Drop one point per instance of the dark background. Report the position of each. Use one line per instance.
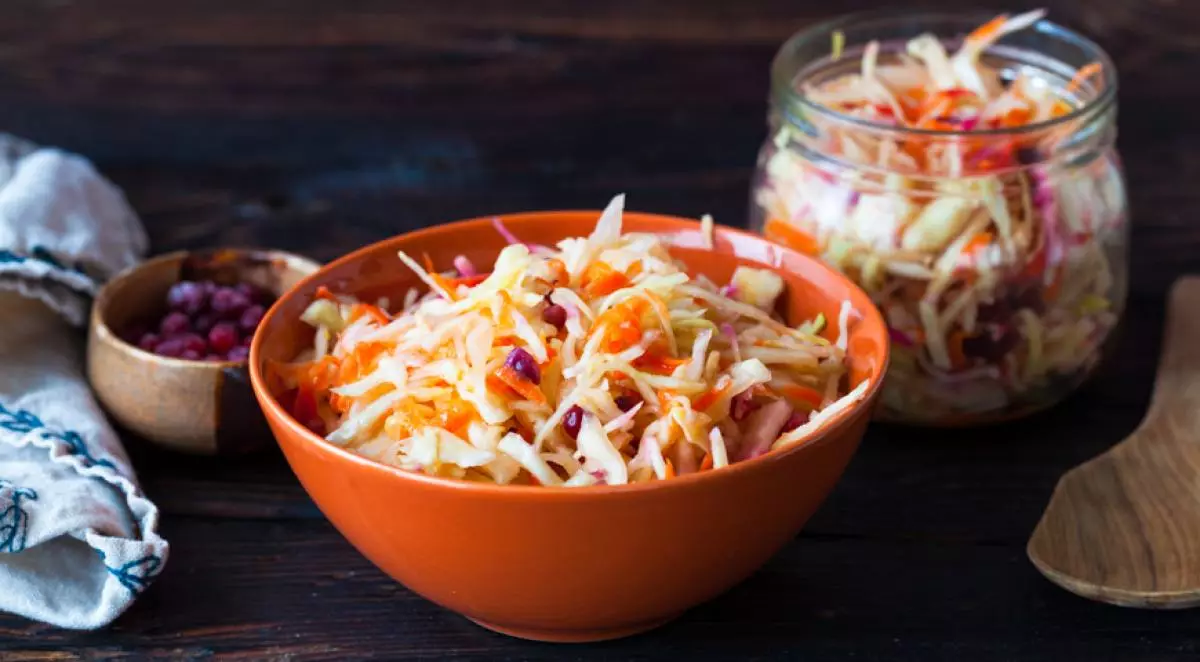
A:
(319, 126)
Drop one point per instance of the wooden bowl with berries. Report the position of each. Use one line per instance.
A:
(168, 342)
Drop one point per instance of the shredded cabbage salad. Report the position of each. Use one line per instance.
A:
(998, 268)
(597, 361)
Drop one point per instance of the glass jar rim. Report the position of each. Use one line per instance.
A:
(784, 72)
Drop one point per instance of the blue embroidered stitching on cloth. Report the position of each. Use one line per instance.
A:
(14, 521)
(127, 575)
(135, 575)
(40, 254)
(25, 422)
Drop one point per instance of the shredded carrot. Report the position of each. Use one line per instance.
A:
(1087, 71)
(319, 375)
(985, 31)
(660, 306)
(500, 388)
(621, 325)
(374, 312)
(524, 387)
(366, 357)
(397, 427)
(617, 376)
(789, 235)
(600, 279)
(916, 149)
(324, 293)
(559, 271)
(934, 106)
(1016, 117)
(469, 281)
(706, 463)
(710, 396)
(670, 472)
(447, 284)
(658, 364)
(457, 415)
(911, 102)
(444, 283)
(937, 124)
(803, 395)
(341, 404)
(978, 243)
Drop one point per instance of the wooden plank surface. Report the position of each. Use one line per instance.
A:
(319, 127)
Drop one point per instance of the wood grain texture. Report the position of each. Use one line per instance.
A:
(1125, 527)
(318, 127)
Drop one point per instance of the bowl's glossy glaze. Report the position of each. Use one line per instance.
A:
(192, 406)
(573, 564)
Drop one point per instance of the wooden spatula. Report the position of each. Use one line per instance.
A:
(1125, 527)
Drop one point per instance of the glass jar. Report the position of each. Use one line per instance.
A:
(1003, 271)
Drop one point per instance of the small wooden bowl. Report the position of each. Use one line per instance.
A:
(197, 407)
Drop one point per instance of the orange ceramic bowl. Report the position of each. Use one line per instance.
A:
(573, 564)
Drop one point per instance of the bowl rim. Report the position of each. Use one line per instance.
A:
(98, 325)
(274, 410)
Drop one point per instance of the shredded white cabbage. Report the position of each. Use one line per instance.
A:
(980, 216)
(632, 380)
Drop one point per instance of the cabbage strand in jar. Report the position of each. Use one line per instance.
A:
(971, 187)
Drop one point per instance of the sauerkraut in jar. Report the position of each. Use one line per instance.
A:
(970, 184)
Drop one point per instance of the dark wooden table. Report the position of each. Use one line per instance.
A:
(318, 126)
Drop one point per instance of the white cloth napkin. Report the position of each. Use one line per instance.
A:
(78, 540)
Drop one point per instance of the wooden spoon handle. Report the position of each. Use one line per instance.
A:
(1125, 527)
(1177, 385)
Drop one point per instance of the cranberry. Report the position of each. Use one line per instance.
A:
(203, 323)
(191, 355)
(223, 337)
(148, 342)
(252, 292)
(187, 297)
(214, 358)
(171, 347)
(238, 354)
(795, 420)
(247, 339)
(1001, 311)
(555, 314)
(229, 303)
(627, 401)
(194, 343)
(175, 323)
(991, 347)
(1031, 298)
(250, 319)
(523, 364)
(572, 421)
(1027, 155)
